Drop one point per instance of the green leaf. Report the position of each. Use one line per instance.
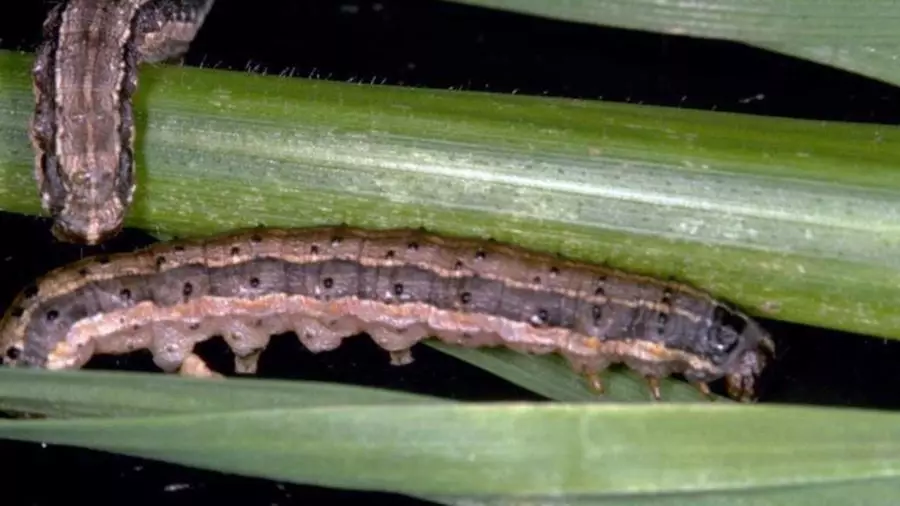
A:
(67, 394)
(790, 219)
(847, 34)
(793, 220)
(552, 377)
(370, 439)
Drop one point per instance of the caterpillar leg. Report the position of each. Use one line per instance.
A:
(704, 389)
(653, 383)
(401, 357)
(247, 342)
(172, 352)
(196, 367)
(398, 343)
(590, 368)
(316, 336)
(595, 383)
(248, 363)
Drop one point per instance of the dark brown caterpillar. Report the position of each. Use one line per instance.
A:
(399, 286)
(85, 77)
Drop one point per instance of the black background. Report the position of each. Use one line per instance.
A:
(429, 43)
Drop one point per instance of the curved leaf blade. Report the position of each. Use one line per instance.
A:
(490, 450)
(854, 36)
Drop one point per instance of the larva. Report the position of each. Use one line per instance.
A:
(85, 76)
(399, 286)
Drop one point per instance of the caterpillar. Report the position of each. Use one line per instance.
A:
(85, 75)
(399, 286)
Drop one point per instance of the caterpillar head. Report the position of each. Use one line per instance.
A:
(749, 362)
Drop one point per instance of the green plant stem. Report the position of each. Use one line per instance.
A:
(794, 220)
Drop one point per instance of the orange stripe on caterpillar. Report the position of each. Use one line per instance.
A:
(400, 286)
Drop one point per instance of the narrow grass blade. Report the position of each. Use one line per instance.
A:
(847, 34)
(794, 220)
(69, 394)
(510, 451)
(552, 377)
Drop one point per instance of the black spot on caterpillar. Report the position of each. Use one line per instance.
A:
(399, 286)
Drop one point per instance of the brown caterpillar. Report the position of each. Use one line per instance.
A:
(399, 286)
